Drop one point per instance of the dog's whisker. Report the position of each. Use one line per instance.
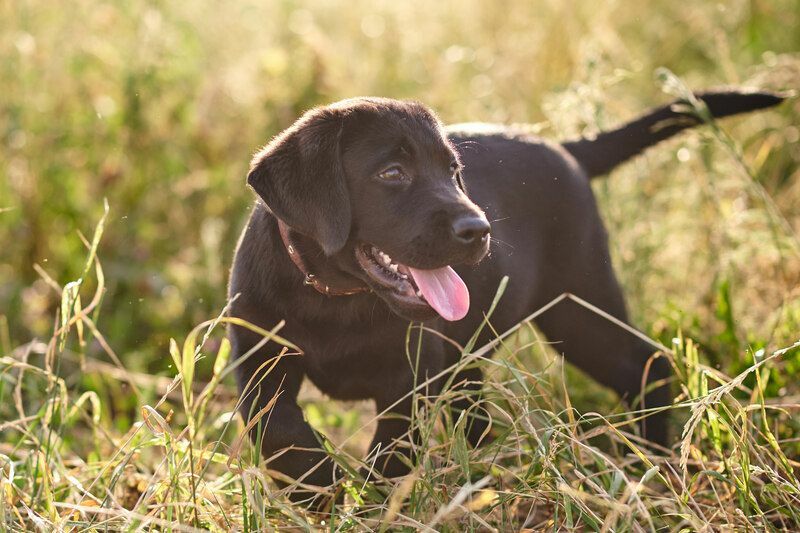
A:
(468, 144)
(498, 241)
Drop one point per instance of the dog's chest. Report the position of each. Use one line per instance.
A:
(345, 376)
(360, 363)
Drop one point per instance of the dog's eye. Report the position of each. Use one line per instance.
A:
(392, 174)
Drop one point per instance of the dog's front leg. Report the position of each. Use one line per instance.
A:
(392, 444)
(468, 383)
(288, 443)
(398, 431)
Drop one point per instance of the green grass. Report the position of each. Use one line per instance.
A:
(116, 408)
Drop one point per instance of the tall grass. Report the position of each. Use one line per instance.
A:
(116, 409)
(187, 465)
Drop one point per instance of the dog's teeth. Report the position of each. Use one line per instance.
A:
(393, 267)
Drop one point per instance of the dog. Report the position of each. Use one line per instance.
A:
(371, 214)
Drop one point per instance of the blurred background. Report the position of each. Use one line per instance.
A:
(157, 107)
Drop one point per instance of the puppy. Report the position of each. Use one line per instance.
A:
(371, 214)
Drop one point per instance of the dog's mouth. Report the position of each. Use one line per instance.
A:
(440, 289)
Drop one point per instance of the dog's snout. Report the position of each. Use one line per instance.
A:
(470, 229)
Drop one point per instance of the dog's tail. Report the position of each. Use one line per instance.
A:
(599, 155)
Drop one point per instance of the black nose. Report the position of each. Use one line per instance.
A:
(470, 228)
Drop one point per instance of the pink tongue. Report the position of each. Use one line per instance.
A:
(444, 290)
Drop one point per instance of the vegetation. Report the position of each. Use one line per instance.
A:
(116, 407)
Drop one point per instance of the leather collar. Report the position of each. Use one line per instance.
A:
(311, 279)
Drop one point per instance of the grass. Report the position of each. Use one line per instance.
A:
(187, 465)
(116, 405)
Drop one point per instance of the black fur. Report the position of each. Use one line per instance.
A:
(599, 155)
(320, 177)
(287, 174)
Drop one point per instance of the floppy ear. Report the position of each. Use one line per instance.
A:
(299, 175)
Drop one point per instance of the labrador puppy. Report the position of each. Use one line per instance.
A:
(371, 214)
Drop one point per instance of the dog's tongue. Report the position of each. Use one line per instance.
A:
(444, 290)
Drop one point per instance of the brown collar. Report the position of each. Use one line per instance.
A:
(311, 279)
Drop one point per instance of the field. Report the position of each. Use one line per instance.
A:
(127, 129)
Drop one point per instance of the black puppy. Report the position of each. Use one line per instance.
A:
(372, 214)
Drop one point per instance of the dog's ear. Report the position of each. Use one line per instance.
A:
(300, 177)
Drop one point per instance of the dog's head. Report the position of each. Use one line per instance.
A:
(377, 184)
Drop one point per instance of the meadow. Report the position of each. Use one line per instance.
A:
(126, 130)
